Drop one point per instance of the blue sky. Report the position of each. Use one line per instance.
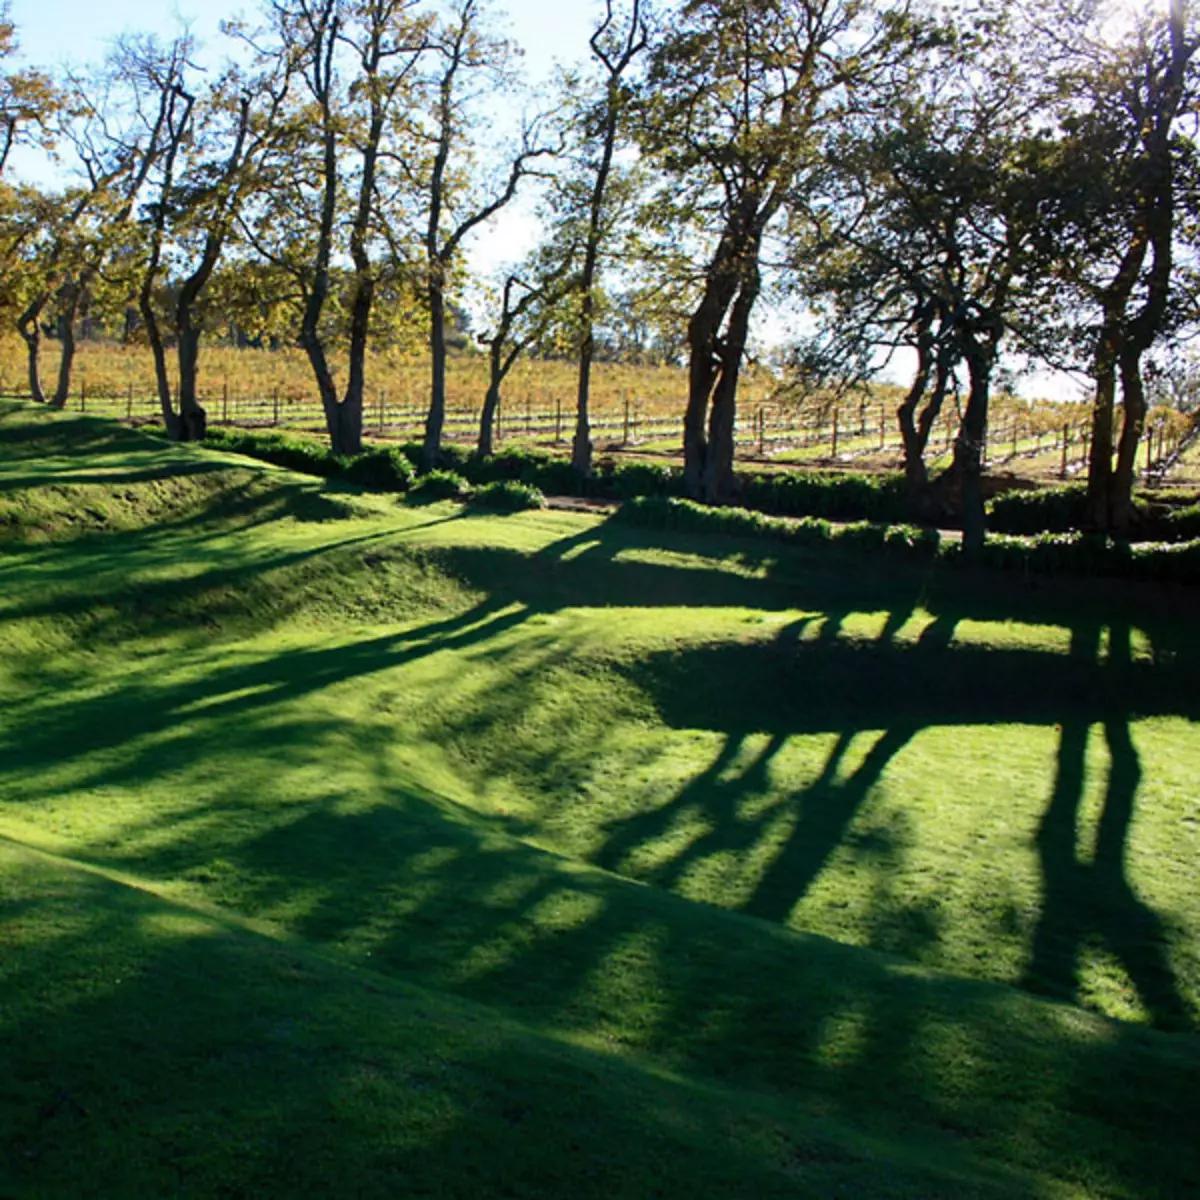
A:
(77, 31)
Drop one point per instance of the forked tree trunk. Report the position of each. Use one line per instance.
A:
(345, 428)
(731, 287)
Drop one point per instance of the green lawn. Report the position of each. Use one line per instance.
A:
(355, 847)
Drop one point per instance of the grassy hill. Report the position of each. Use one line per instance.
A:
(356, 847)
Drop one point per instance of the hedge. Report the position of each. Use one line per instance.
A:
(902, 540)
(508, 495)
(297, 454)
(1034, 531)
(1157, 517)
(1047, 553)
(441, 485)
(846, 497)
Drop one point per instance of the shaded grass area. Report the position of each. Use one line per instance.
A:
(394, 742)
(155, 1050)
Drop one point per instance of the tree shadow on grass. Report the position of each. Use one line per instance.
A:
(405, 882)
(22, 436)
(146, 1051)
(847, 687)
(405, 888)
(408, 884)
(1086, 900)
(809, 679)
(822, 813)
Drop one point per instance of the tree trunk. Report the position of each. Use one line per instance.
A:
(162, 379)
(916, 477)
(722, 425)
(732, 281)
(66, 356)
(718, 461)
(486, 445)
(318, 285)
(314, 347)
(914, 429)
(581, 449)
(1099, 482)
(701, 374)
(351, 415)
(30, 329)
(704, 360)
(193, 419)
(436, 419)
(1133, 395)
(345, 428)
(968, 449)
(581, 446)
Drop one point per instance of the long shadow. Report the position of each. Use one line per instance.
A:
(131, 1086)
(827, 809)
(790, 685)
(787, 686)
(185, 1031)
(1083, 900)
(411, 889)
(491, 920)
(823, 811)
(717, 797)
(78, 436)
(74, 730)
(121, 473)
